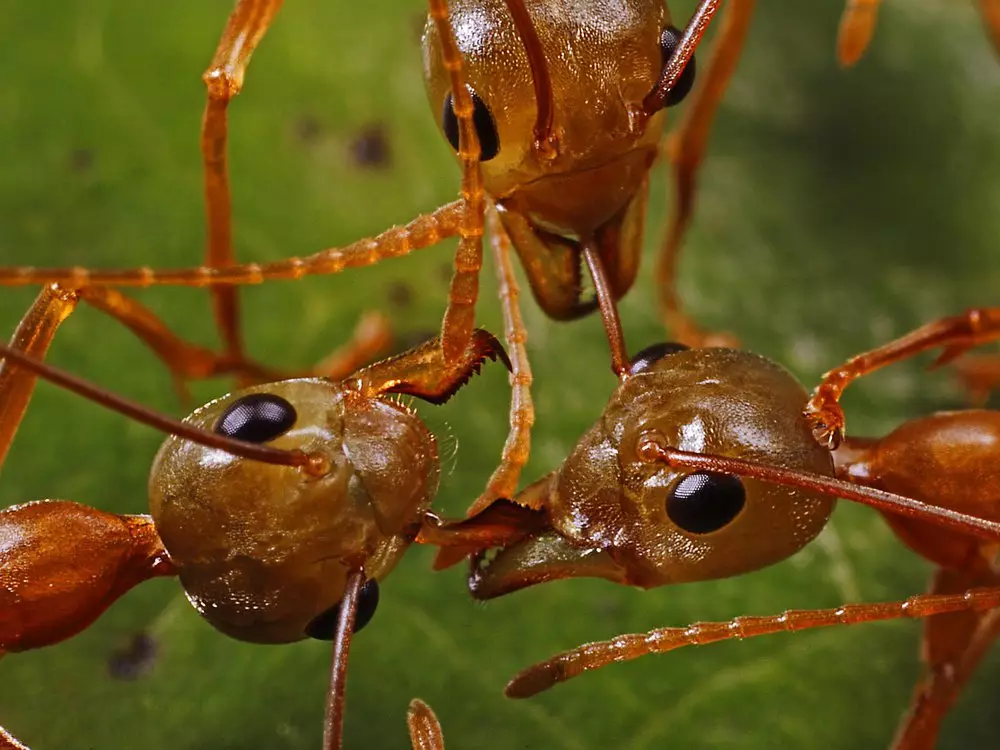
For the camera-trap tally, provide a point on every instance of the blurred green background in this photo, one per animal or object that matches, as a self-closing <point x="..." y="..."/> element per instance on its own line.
<point x="838" y="209"/>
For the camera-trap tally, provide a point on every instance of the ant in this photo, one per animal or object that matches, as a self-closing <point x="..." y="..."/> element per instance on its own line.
<point x="710" y="463"/>
<point x="572" y="191"/>
<point x="351" y="469"/>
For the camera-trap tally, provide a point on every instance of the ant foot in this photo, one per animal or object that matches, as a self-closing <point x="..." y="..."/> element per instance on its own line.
<point x="826" y="419"/>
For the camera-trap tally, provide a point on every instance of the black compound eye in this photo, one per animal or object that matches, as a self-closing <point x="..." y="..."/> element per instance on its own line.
<point x="486" y="127"/>
<point x="653" y="354"/>
<point x="670" y="37"/>
<point x="324" y="625"/>
<point x="257" y="418"/>
<point x="705" y="502"/>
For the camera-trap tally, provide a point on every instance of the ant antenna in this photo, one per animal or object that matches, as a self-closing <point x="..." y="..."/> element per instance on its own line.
<point x="657" y="98"/>
<point x="651" y="449"/>
<point x="310" y="462"/>
<point x="545" y="140"/>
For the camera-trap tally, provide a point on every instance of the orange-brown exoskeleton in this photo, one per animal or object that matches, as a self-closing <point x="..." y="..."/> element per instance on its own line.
<point x="705" y="465"/>
<point x="569" y="146"/>
<point x="279" y="507"/>
<point x="857" y="26"/>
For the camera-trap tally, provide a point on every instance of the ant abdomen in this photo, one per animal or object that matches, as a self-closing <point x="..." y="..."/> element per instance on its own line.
<point x="263" y="549"/>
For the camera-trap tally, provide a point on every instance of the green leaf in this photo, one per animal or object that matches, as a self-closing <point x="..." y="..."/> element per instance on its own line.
<point x="838" y="209"/>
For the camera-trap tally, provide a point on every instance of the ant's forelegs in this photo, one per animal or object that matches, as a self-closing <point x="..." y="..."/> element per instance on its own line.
<point x="570" y="664"/>
<point x="857" y="26"/>
<point x="459" y="316"/>
<point x="64" y="564"/>
<point x="245" y="28"/>
<point x="956" y="334"/>
<point x="425" y="729"/>
<point x="504" y="480"/>
<point x="953" y="646"/>
<point x="685" y="147"/>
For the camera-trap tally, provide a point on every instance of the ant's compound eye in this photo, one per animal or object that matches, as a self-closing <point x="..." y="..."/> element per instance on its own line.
<point x="705" y="502"/>
<point x="257" y="418"/>
<point x="324" y="625"/>
<point x="486" y="128"/>
<point x="669" y="39"/>
<point x="653" y="354"/>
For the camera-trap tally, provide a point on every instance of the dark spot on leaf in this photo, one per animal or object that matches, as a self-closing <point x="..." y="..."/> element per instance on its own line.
<point x="81" y="160"/>
<point x="135" y="659"/>
<point x="400" y="295"/>
<point x="370" y="147"/>
<point x="308" y="130"/>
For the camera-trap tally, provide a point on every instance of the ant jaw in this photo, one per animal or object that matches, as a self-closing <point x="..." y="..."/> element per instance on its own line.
<point x="547" y="556"/>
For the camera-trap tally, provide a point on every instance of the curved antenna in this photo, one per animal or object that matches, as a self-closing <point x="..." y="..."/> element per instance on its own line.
<point x="650" y="450"/>
<point x="657" y="98"/>
<point x="310" y="462"/>
<point x="545" y="141"/>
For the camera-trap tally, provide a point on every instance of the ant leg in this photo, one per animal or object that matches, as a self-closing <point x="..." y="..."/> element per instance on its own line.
<point x="609" y="310"/>
<point x="953" y="646"/>
<point x="422" y="232"/>
<point x="64" y="564"/>
<point x="686" y="149"/>
<point x="9" y="741"/>
<point x="425" y="729"/>
<point x="504" y="480"/>
<point x="991" y="17"/>
<point x="956" y="334"/>
<point x="33" y="335"/>
<point x="570" y="664"/>
<point x="245" y="28"/>
<point x="857" y="26"/>
<point x="459" y="316"/>
<point x="333" y="724"/>
<point x="979" y="375"/>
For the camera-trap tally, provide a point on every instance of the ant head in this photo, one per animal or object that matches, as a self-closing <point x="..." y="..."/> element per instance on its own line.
<point x="598" y="60"/>
<point x="262" y="550"/>
<point x="616" y="511"/>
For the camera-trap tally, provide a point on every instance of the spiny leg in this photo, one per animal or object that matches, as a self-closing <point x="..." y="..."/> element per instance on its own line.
<point x="425" y="729"/>
<point x="424" y="231"/>
<point x="570" y="664"/>
<point x="459" y="316"/>
<point x="953" y="646"/>
<point x="245" y="28"/>
<point x="956" y="334"/>
<point x="857" y="26"/>
<point x="686" y="149"/>
<point x="504" y="480"/>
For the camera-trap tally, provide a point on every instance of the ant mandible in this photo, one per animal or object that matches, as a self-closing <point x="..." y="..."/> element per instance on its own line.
<point x="594" y="161"/>
<point x="705" y="464"/>
<point x="352" y="470"/>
